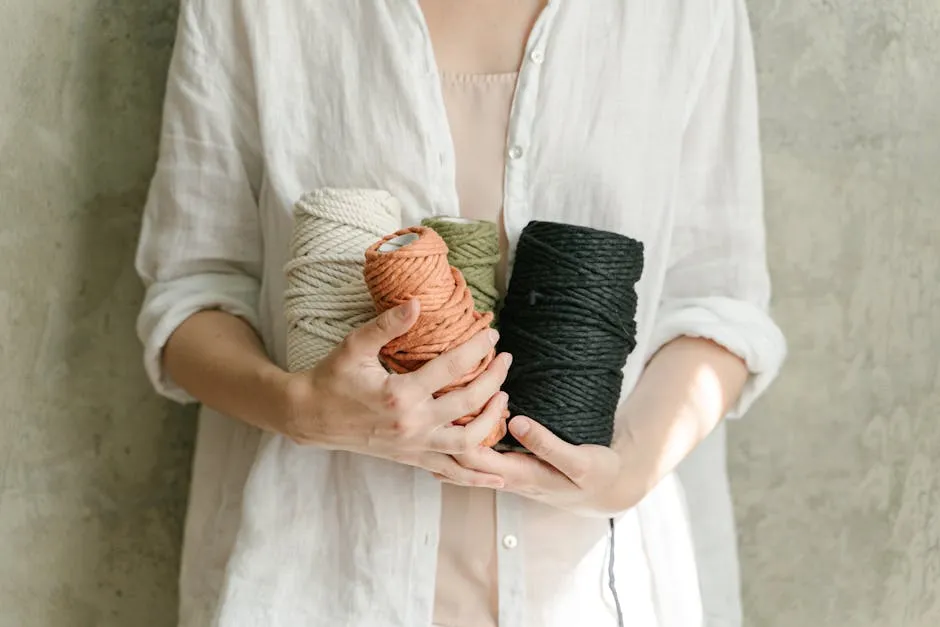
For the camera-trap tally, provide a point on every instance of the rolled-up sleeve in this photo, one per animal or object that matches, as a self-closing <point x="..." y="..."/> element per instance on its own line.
<point x="200" y="243"/>
<point x="717" y="284"/>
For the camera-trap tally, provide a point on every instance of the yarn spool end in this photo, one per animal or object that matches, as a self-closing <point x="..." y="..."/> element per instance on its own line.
<point x="398" y="242"/>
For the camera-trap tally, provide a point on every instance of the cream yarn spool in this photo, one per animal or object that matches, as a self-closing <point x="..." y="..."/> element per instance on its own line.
<point x="326" y="295"/>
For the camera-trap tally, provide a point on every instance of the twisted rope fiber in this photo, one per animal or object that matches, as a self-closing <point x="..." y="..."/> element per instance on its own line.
<point x="474" y="250"/>
<point x="326" y="294"/>
<point x="419" y="269"/>
<point x="568" y="320"/>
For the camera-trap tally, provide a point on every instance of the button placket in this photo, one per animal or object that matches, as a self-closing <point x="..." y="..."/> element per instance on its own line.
<point x="511" y="570"/>
<point x="520" y="123"/>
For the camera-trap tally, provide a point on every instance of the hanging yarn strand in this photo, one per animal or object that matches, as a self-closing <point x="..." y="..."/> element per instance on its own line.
<point x="568" y="321"/>
<point x="326" y="295"/>
<point x="412" y="263"/>
<point x="474" y="250"/>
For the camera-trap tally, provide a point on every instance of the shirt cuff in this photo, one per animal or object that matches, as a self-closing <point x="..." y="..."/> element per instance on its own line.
<point x="740" y="327"/>
<point x="168" y="304"/>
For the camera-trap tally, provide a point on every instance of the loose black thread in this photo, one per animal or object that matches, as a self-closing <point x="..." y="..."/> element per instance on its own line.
<point x="611" y="581"/>
<point x="569" y="321"/>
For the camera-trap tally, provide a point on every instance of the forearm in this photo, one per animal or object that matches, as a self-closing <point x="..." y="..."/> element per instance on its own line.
<point x="684" y="392"/>
<point x="219" y="359"/>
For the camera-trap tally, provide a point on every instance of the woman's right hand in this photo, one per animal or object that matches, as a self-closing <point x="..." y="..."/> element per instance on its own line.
<point x="350" y="402"/>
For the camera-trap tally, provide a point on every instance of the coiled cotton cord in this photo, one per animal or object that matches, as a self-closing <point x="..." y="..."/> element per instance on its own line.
<point x="568" y="321"/>
<point x="326" y="294"/>
<point x="473" y="247"/>
<point x="412" y="263"/>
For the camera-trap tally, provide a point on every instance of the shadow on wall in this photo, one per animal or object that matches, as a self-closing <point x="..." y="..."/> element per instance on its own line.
<point x="135" y="449"/>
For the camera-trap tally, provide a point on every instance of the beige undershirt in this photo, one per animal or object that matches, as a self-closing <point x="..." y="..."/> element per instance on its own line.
<point x="478" y="109"/>
<point x="478" y="45"/>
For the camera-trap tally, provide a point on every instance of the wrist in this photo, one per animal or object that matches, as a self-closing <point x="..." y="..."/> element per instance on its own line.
<point x="639" y="470"/>
<point x="277" y="396"/>
<point x="298" y="407"/>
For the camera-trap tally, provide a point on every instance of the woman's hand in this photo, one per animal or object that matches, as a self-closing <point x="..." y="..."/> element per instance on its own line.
<point x="684" y="391"/>
<point x="350" y="402"/>
<point x="587" y="480"/>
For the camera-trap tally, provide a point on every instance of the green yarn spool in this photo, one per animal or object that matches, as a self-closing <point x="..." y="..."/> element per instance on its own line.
<point x="474" y="250"/>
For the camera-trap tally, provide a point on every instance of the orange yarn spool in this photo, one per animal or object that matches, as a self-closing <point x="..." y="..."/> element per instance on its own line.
<point x="412" y="263"/>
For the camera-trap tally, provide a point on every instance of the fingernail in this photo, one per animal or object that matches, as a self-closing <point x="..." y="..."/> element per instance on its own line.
<point x="503" y="399"/>
<point x="519" y="426"/>
<point x="508" y="359"/>
<point x="494" y="336"/>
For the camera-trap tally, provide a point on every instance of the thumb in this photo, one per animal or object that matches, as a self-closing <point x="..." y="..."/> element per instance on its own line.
<point x="368" y="340"/>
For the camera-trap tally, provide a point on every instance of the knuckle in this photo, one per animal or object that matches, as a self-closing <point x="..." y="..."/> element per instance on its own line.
<point x="404" y="428"/>
<point x="394" y="397"/>
<point x="455" y="367"/>
<point x="580" y="471"/>
<point x="467" y="442"/>
<point x="482" y="388"/>
<point x="349" y="344"/>
<point x="446" y="469"/>
<point x="468" y="405"/>
<point x="492" y="380"/>
<point x="538" y="446"/>
<point x="451" y="446"/>
<point x="477" y="394"/>
<point x="482" y="340"/>
<point x="384" y="322"/>
<point x="493" y="409"/>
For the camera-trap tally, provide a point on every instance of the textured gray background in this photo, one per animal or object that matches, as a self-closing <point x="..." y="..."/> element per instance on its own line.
<point x="836" y="473"/>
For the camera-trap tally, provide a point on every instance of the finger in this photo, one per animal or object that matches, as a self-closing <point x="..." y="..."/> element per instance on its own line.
<point x="368" y="340"/>
<point x="468" y="400"/>
<point x="444" y="369"/>
<point x="460" y="439"/>
<point x="445" y="466"/>
<point x="523" y="473"/>
<point x="571" y="460"/>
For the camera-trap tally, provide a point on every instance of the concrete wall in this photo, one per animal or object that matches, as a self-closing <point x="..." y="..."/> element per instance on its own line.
<point x="93" y="467"/>
<point x="836" y="473"/>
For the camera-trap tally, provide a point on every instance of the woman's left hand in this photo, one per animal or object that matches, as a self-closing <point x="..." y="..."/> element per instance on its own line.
<point x="587" y="480"/>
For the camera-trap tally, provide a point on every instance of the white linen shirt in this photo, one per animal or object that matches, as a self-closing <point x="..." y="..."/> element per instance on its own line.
<point x="634" y="116"/>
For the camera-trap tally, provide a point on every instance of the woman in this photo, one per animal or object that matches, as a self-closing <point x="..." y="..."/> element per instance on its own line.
<point x="630" y="116"/>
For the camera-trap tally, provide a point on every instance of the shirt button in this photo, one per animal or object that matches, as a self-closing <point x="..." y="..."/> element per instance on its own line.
<point x="537" y="56"/>
<point x="510" y="541"/>
<point x="515" y="152"/>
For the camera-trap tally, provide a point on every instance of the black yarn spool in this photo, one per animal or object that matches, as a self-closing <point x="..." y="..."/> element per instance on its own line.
<point x="569" y="321"/>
